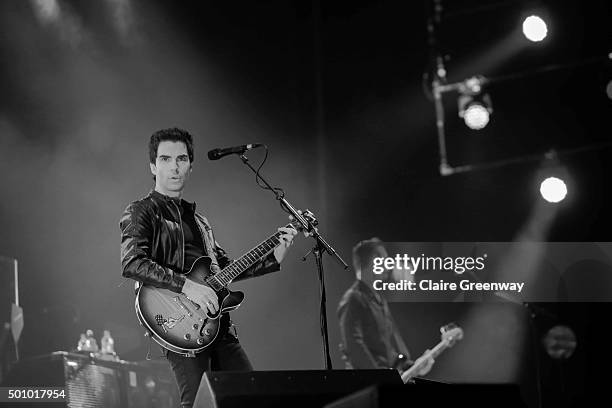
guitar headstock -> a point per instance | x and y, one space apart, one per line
451 333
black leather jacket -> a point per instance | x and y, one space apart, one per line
152 246
370 338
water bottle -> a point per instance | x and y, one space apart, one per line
81 346
90 342
108 343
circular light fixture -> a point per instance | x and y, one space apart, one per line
476 116
553 189
534 28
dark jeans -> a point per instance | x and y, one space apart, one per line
224 354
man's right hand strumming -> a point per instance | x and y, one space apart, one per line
202 295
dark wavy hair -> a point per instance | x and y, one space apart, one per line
172 135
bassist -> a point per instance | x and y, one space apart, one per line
370 338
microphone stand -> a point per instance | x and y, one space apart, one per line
321 246
534 311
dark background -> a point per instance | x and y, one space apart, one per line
337 92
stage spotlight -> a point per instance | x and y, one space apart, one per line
476 116
609 89
553 189
475 110
534 28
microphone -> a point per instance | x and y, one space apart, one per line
216 154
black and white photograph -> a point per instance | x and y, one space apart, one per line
307 203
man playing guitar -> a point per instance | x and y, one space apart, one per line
370 338
161 238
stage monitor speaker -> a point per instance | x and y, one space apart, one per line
312 388
428 394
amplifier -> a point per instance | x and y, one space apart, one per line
91 382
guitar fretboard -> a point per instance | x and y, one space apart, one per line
243 263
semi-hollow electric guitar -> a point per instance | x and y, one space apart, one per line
450 335
183 326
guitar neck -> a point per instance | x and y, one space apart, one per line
249 259
434 352
438 349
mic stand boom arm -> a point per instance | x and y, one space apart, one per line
307 224
320 247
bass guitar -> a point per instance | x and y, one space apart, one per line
450 335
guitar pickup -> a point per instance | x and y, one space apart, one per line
182 305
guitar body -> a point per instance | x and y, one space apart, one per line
182 326
178 324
